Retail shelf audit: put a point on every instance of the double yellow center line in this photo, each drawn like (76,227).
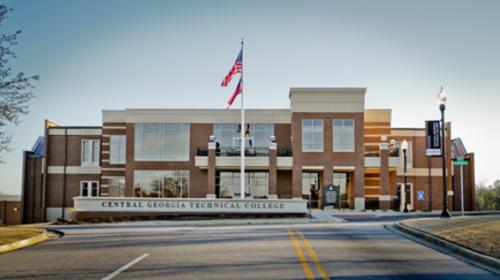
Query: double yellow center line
(303,260)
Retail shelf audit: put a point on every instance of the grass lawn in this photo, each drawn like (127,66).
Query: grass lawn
(11,234)
(480,233)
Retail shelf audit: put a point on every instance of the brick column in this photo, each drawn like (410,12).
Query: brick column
(359,189)
(327,180)
(384,198)
(211,170)
(273,171)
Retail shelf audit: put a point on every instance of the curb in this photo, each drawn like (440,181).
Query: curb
(486,262)
(24,243)
(60,228)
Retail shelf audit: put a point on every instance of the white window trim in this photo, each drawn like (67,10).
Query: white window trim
(90,163)
(322,140)
(89,191)
(402,200)
(333,141)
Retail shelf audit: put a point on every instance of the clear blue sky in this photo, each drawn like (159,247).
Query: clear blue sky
(94,55)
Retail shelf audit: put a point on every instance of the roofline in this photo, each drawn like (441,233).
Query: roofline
(327,89)
(193,109)
(75,127)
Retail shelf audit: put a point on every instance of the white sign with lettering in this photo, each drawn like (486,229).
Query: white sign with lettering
(189,205)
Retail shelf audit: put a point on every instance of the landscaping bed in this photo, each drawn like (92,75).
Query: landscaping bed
(13,234)
(478,233)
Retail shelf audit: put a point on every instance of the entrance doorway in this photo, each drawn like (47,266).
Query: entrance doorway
(405,195)
(311,188)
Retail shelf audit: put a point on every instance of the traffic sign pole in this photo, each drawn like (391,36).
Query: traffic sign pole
(461,162)
(462,188)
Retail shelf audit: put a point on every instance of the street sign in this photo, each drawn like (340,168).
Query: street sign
(460,162)
(432,138)
(420,196)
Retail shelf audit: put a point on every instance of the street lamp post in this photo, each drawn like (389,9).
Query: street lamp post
(442,98)
(404,146)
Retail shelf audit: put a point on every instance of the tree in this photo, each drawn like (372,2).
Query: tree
(15,88)
(488,197)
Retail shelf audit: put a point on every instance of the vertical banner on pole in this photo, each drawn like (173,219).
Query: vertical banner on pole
(432,139)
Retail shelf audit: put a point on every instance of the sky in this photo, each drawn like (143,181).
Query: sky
(94,55)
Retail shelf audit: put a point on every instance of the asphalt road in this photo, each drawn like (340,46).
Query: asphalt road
(351,251)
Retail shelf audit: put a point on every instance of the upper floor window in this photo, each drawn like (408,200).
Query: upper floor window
(90,152)
(312,135)
(257,135)
(343,136)
(117,147)
(162,141)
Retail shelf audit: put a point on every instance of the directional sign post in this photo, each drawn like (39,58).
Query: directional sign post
(461,162)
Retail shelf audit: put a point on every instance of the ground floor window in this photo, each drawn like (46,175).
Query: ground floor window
(116,187)
(310,181)
(89,188)
(161,183)
(256,184)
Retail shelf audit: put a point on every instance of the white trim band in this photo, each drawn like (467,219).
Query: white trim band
(58,169)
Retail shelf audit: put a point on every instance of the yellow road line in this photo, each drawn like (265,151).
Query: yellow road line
(307,269)
(314,257)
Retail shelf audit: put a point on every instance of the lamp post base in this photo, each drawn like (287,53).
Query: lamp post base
(405,210)
(445,214)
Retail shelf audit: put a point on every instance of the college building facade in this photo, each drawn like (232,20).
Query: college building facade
(326,137)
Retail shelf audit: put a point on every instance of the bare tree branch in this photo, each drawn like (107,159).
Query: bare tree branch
(15,89)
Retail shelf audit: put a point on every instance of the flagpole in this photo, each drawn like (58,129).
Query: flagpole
(242,136)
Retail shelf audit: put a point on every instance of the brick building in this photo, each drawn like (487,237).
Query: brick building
(327,136)
(10,210)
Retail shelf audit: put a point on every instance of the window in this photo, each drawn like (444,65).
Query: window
(116,187)
(228,134)
(162,141)
(161,183)
(309,180)
(261,134)
(256,184)
(117,149)
(343,135)
(90,152)
(225,133)
(89,188)
(312,135)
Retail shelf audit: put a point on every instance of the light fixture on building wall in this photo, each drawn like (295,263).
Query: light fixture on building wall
(404,147)
(442,98)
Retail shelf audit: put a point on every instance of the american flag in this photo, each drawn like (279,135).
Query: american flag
(237,68)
